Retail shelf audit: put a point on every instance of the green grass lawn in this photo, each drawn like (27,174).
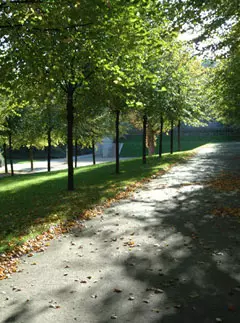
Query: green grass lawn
(133,144)
(29,203)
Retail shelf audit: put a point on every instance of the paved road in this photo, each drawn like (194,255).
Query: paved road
(56,164)
(160,256)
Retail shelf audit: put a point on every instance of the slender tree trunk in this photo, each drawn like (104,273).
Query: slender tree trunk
(31,156)
(144,152)
(150,140)
(49,148)
(66,150)
(93,152)
(10,151)
(161,139)
(117,142)
(70,136)
(179,135)
(171,138)
(76,153)
(5,157)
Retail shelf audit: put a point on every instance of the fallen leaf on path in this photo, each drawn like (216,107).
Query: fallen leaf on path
(156,310)
(194,295)
(231,308)
(227,212)
(226,182)
(155,290)
(130,244)
(54,306)
(93,296)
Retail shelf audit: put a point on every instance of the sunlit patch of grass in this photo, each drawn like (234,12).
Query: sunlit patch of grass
(31,203)
(29,180)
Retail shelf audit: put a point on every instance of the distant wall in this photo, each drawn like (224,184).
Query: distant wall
(107,148)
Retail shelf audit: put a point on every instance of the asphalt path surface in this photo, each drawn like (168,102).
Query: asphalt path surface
(159,256)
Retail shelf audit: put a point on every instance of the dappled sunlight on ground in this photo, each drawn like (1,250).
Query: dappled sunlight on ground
(159,256)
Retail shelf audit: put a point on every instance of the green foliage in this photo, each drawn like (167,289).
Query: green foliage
(214,19)
(225,89)
(121,55)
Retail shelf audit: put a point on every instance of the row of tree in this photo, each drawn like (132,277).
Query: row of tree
(70,71)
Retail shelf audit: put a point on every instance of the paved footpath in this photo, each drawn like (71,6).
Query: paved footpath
(57,164)
(160,256)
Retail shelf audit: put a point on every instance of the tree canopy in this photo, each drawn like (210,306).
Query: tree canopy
(71,65)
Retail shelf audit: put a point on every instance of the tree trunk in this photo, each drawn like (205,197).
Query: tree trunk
(179,135)
(144,153)
(161,138)
(10,151)
(49,148)
(5,157)
(150,140)
(93,152)
(171,138)
(117,142)
(31,156)
(66,150)
(76,153)
(70,136)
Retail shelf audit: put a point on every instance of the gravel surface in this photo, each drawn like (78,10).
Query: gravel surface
(160,256)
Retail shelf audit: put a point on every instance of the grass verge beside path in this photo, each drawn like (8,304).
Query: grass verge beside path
(29,204)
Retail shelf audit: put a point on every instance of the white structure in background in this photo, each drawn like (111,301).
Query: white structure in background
(106,148)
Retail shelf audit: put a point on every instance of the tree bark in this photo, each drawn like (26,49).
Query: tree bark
(66,150)
(10,151)
(31,156)
(144,152)
(5,157)
(171,138)
(117,142)
(161,138)
(93,152)
(179,135)
(76,153)
(70,118)
(150,140)
(49,148)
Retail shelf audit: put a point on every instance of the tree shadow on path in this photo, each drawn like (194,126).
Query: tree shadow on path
(191,255)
